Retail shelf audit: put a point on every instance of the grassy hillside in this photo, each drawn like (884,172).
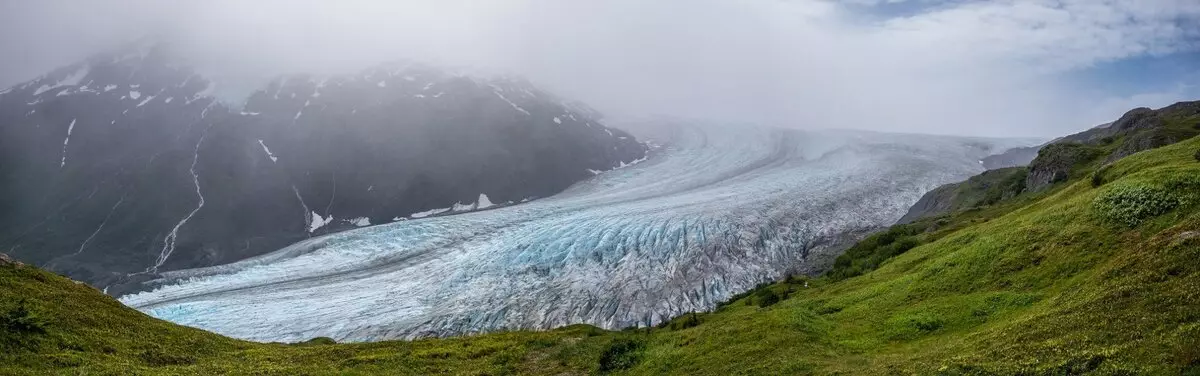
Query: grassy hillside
(1091,275)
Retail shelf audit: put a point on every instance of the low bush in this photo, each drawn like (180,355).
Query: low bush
(19,319)
(1130,205)
(1098,176)
(869,253)
(766,297)
(685,322)
(620,354)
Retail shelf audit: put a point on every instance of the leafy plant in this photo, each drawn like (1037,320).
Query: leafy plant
(620,354)
(19,319)
(685,322)
(1098,175)
(1130,205)
(766,297)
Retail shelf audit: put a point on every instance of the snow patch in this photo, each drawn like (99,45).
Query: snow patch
(483,202)
(318,222)
(147,100)
(381,84)
(557,120)
(360,221)
(71,80)
(168,100)
(510,103)
(65,141)
(460,207)
(268,151)
(428,213)
(135,94)
(110,88)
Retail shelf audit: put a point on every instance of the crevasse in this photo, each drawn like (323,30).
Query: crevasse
(714,213)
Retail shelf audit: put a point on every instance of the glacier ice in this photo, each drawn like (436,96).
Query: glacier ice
(713,213)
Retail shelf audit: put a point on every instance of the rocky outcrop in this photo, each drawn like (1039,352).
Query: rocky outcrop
(1056,162)
(1138,130)
(125,165)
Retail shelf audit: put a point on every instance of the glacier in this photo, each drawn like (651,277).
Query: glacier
(713,212)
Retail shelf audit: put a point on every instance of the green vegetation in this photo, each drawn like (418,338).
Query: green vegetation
(1078,278)
(1131,204)
(620,354)
(869,253)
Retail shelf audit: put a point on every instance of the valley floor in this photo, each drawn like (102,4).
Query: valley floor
(1084,278)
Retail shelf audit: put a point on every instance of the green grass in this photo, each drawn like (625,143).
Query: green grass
(1042,284)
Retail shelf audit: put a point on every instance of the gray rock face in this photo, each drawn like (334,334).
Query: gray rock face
(1138,118)
(125,165)
(1055,163)
(1138,130)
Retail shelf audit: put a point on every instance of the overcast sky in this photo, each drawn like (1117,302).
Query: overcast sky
(1008,68)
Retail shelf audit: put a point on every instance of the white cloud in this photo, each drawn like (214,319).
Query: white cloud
(968,67)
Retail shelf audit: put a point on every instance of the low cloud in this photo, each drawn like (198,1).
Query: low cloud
(954,67)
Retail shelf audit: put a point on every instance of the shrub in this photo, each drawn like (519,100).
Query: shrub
(1098,175)
(1130,205)
(621,354)
(1197,156)
(685,322)
(926,324)
(19,319)
(766,297)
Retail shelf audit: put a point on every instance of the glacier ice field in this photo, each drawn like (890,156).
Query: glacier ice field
(714,212)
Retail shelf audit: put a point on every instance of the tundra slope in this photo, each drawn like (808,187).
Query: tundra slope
(712,214)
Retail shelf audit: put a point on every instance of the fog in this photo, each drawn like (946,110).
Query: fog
(958,67)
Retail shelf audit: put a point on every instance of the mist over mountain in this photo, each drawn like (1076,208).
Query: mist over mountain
(125,164)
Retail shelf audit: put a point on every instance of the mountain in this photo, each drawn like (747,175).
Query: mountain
(1087,152)
(714,212)
(126,165)
(1079,278)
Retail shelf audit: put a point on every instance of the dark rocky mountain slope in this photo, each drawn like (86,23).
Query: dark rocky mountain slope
(125,164)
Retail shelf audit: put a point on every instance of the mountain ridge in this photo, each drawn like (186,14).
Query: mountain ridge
(128,165)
